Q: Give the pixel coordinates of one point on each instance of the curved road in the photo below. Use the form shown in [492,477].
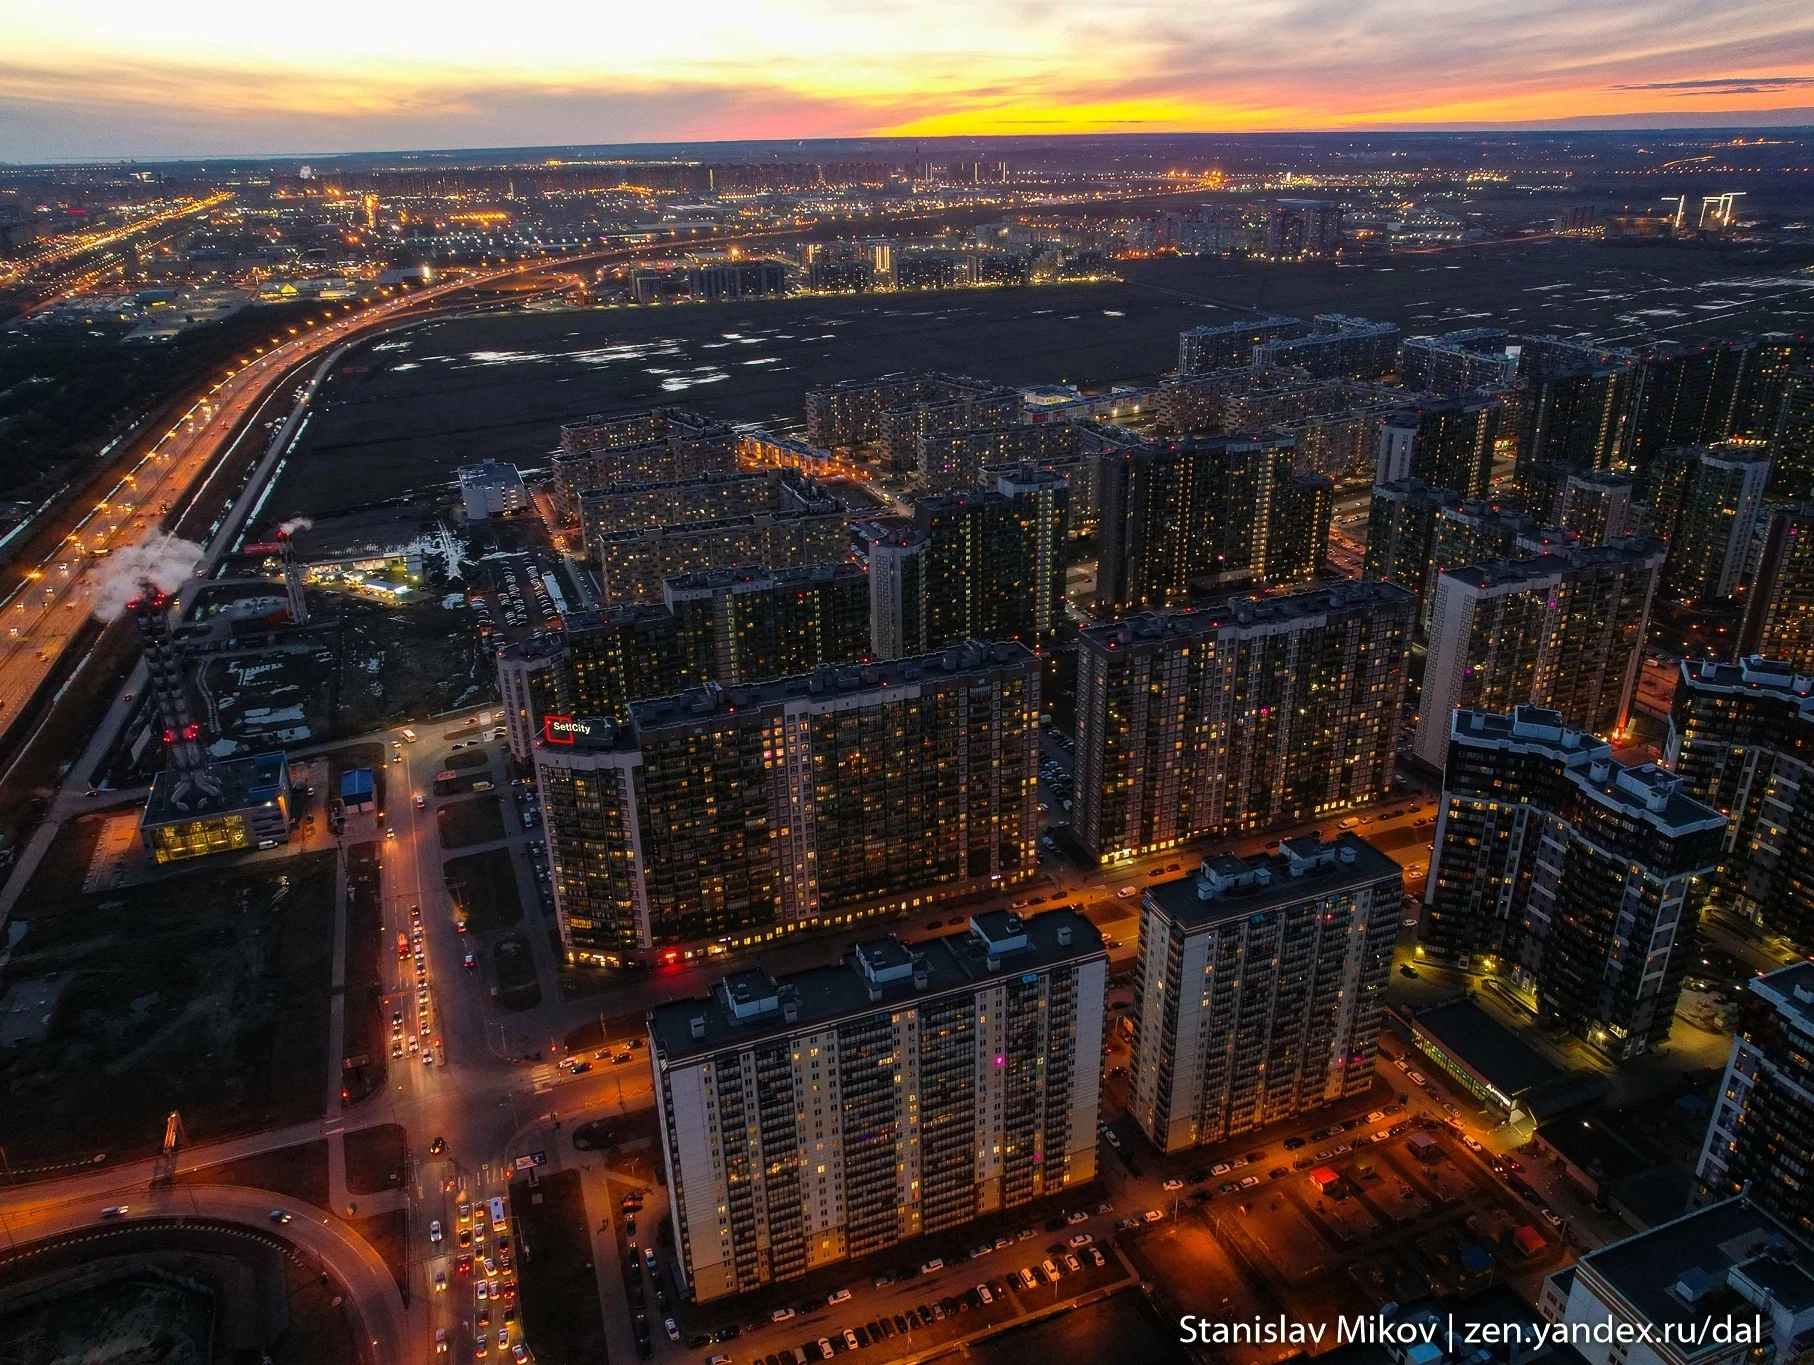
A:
[27,1215]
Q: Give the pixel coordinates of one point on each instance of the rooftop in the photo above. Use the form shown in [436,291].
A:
[757,578]
[1679,1272]
[1494,1053]
[709,524]
[1241,613]
[1791,990]
[1211,329]
[711,478]
[875,975]
[490,473]
[1501,573]
[1753,674]
[1528,729]
[1228,886]
[236,784]
[711,699]
[1592,1148]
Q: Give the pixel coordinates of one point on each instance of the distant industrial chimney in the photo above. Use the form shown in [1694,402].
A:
[292,579]
[181,735]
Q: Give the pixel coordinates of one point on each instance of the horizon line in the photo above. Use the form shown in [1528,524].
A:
[1632,124]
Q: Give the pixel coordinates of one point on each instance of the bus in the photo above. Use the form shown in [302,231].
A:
[497,1214]
[402,945]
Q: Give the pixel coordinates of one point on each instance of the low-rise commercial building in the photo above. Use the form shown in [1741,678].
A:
[492,489]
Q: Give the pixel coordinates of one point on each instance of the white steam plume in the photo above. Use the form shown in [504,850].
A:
[293,525]
[163,560]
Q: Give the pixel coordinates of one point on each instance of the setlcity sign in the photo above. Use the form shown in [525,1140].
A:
[565,729]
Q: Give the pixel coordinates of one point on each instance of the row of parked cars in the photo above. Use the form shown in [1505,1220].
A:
[838,1341]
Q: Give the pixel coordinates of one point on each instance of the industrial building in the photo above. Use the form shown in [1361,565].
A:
[198,806]
[221,808]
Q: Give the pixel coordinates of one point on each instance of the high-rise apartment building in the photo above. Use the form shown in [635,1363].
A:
[831,1113]
[714,279]
[1155,502]
[1259,988]
[1595,507]
[1792,436]
[1041,509]
[729,626]
[1239,717]
[596,665]
[1673,1293]
[944,402]
[950,461]
[1302,229]
[897,593]
[850,412]
[638,447]
[1682,396]
[1474,531]
[1337,345]
[745,625]
[1704,502]
[1184,518]
[992,567]
[1761,1138]
[529,674]
[747,812]
[1457,362]
[1196,404]
[1574,417]
[1224,345]
[898,409]
[1742,736]
[1578,877]
[1448,444]
[1297,536]
[1564,631]
[1541,354]
[1779,609]
[1401,531]
[634,563]
[620,508]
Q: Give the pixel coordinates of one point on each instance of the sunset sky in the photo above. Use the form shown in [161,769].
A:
[96,78]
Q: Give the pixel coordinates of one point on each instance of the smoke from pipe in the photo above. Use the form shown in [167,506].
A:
[164,560]
[293,525]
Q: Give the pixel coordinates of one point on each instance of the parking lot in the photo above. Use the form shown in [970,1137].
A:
[1006,1276]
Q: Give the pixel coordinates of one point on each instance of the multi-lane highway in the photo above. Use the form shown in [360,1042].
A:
[55,594]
